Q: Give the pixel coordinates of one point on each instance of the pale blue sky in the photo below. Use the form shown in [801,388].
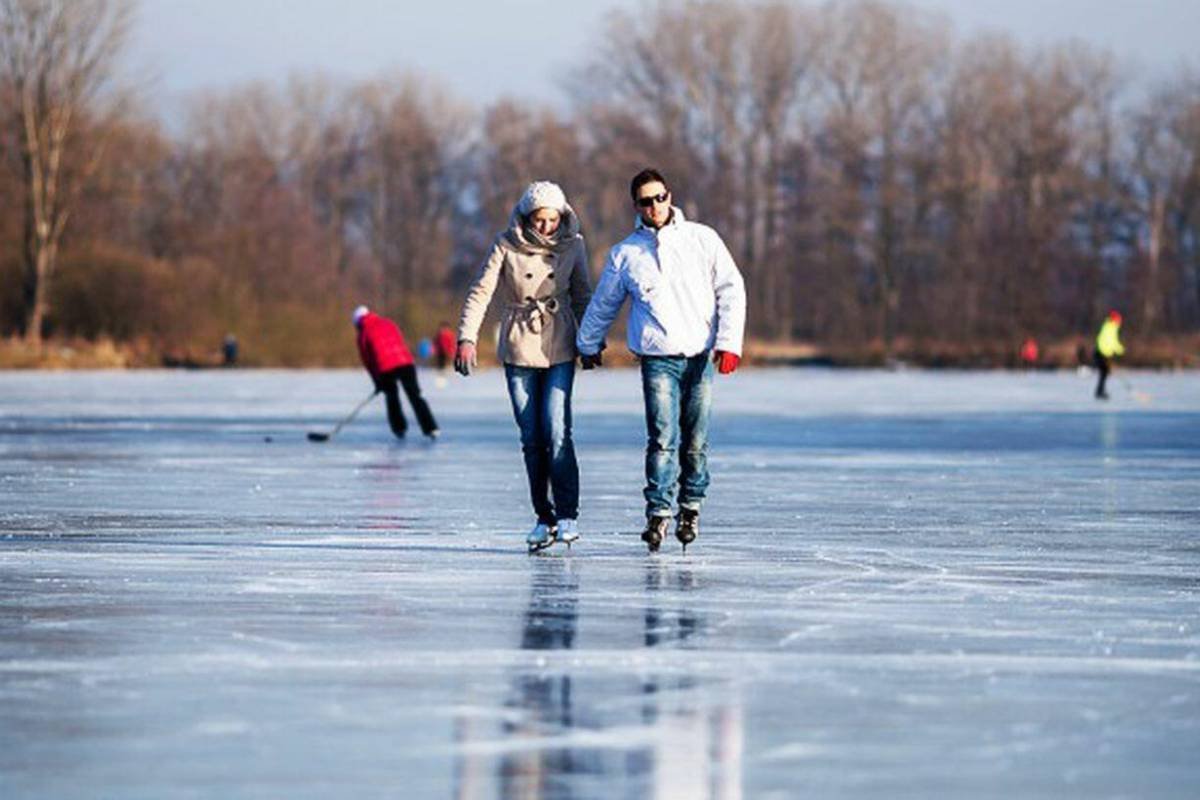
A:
[482,50]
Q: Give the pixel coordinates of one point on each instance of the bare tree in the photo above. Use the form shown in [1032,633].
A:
[881,68]
[1026,210]
[321,156]
[1185,212]
[1165,189]
[60,60]
[784,44]
[716,92]
[411,138]
[520,145]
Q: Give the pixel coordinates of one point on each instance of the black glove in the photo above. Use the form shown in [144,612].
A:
[464,357]
[589,361]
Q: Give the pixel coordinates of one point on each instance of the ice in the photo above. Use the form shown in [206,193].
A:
[907,584]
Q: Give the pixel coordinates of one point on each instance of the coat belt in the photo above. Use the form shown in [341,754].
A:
[537,310]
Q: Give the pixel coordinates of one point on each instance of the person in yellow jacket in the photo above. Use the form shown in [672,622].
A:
[1108,347]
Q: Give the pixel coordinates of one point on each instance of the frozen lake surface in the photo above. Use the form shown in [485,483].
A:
[907,585]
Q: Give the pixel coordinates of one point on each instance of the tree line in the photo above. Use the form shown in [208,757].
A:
[880,180]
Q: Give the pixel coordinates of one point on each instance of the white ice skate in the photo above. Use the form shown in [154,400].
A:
[568,531]
[541,537]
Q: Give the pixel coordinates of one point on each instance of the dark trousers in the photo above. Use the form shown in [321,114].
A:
[1102,367]
[541,403]
[406,377]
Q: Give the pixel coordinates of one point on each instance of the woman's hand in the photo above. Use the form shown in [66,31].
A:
[464,357]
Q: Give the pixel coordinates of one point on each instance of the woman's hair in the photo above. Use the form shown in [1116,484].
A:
[648,175]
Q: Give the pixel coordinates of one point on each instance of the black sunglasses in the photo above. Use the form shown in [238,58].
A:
[649,200]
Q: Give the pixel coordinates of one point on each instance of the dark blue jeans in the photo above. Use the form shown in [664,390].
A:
[678,395]
[541,402]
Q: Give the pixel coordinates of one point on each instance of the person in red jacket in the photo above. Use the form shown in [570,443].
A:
[384,354]
[445,344]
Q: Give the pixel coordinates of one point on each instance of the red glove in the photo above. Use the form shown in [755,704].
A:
[726,362]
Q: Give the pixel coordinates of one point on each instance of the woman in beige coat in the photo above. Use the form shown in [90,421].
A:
[538,268]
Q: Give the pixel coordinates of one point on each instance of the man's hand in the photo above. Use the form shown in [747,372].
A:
[589,361]
[464,357]
[726,362]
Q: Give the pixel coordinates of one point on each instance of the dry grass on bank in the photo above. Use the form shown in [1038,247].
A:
[1173,353]
[53,354]
[1159,353]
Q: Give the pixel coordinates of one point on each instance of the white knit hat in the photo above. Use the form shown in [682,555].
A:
[542,194]
[359,313]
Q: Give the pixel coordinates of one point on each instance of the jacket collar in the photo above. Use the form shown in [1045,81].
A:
[676,217]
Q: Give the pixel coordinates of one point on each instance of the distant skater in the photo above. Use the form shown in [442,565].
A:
[444,346]
[1108,347]
[688,313]
[1029,353]
[539,268]
[229,350]
[386,357]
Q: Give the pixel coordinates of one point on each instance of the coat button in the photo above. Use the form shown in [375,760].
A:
[528,274]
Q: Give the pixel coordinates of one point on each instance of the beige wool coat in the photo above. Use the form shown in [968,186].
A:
[542,293]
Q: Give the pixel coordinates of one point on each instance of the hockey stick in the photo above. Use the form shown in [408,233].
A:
[1141,397]
[317,436]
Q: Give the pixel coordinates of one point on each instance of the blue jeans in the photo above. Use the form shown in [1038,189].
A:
[541,402]
[678,395]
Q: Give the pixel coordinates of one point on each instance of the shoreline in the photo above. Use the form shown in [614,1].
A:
[1163,354]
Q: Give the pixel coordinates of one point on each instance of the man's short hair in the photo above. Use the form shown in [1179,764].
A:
[647,175]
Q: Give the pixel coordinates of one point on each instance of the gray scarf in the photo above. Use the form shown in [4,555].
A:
[523,236]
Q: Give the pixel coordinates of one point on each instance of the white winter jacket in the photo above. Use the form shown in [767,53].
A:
[688,295]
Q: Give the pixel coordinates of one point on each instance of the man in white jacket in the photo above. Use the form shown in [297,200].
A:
[688,313]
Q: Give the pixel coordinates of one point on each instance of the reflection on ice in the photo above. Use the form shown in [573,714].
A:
[654,730]
[541,700]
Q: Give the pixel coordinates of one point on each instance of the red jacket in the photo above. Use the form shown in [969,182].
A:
[446,342]
[381,345]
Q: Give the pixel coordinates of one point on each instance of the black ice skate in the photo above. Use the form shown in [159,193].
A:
[687,527]
[656,529]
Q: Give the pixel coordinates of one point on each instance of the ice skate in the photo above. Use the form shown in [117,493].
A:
[541,537]
[687,526]
[656,529]
[568,531]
